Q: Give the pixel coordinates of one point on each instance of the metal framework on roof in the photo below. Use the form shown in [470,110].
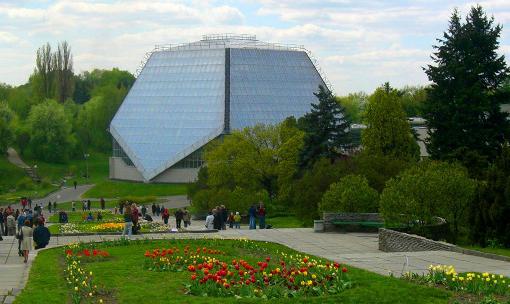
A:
[229,40]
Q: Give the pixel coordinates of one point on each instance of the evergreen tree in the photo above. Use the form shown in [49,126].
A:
[388,132]
[463,103]
[326,127]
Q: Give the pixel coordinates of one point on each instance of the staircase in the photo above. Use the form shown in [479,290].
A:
[32,174]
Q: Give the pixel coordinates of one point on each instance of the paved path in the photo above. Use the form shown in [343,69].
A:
[14,158]
[65,194]
[355,249]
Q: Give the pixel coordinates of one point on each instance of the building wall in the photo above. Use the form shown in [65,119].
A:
[119,170]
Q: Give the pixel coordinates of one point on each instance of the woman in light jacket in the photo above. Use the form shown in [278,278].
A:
[209,221]
[26,243]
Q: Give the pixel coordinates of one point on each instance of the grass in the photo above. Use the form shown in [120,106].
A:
[115,189]
[77,217]
[117,275]
[14,184]
[498,251]
[286,222]
[67,206]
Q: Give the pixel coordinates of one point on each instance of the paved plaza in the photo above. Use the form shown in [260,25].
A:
[355,249]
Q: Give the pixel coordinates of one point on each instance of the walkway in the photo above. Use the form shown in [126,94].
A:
[64,195]
[355,249]
[14,158]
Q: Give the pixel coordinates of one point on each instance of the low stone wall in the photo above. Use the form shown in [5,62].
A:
[330,217]
[394,241]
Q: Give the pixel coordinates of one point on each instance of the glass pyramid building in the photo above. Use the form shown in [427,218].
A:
[186,95]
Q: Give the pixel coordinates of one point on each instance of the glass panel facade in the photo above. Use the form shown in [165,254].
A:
[175,106]
[267,86]
[194,160]
[119,152]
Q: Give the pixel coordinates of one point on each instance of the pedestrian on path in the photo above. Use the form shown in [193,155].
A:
[55,206]
[102,203]
[41,235]
[49,207]
[252,213]
[73,206]
[128,222]
[261,212]
[25,236]
[165,216]
[75,184]
[237,220]
[1,221]
[11,225]
[209,221]
[179,215]
[187,218]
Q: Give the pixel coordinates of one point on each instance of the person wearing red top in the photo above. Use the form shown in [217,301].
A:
[261,212]
[165,216]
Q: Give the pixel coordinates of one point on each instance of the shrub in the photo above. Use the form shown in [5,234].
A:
[25,184]
[351,194]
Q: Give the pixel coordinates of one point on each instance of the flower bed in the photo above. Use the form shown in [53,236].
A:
[81,281]
[475,283]
[71,228]
[284,276]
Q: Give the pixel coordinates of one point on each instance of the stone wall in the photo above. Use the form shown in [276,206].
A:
[330,217]
[394,241]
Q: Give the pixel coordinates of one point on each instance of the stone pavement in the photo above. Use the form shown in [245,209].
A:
[354,249]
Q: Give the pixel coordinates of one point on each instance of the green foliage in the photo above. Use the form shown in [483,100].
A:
[6,127]
[112,189]
[326,129]
[463,102]
[95,116]
[426,190]
[388,132]
[88,83]
[50,132]
[351,194]
[489,214]
[413,100]
[354,105]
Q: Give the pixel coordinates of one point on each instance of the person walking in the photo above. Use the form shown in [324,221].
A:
[2,221]
[75,184]
[73,206]
[49,207]
[179,215]
[252,213]
[25,236]
[41,235]
[231,220]
[55,206]
[209,221]
[224,217]
[144,210]
[102,201]
[237,220]
[261,212]
[134,217]
[128,222]
[153,207]
[11,225]
[165,215]
[217,218]
[187,218]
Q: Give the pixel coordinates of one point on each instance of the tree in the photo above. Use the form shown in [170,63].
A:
[351,194]
[326,128]
[388,132]
[489,213]
[87,84]
[50,132]
[63,66]
[413,99]
[45,70]
[463,103]
[426,190]
[6,127]
[354,105]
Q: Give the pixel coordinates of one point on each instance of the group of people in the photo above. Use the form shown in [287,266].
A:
[26,225]
[257,212]
[219,217]
[181,216]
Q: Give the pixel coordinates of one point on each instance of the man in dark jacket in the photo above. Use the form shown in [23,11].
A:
[179,215]
[41,235]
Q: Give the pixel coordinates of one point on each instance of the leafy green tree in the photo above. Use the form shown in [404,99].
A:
[50,132]
[351,194]
[44,74]
[254,159]
[354,105]
[95,117]
[6,127]
[63,69]
[326,128]
[463,102]
[378,169]
[426,190]
[413,100]
[88,83]
[388,132]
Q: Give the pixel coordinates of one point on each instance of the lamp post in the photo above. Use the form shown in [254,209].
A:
[86,156]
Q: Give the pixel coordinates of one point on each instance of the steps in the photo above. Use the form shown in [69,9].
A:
[32,174]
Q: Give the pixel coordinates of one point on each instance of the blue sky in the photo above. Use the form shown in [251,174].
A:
[359,44]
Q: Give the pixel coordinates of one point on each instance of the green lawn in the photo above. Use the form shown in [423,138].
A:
[499,251]
[126,281]
[116,189]
[287,222]
[14,183]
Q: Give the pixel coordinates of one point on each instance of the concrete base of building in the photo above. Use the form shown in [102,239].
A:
[121,171]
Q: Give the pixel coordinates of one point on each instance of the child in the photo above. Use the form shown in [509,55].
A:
[237,220]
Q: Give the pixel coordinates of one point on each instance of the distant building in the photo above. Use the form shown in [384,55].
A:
[187,95]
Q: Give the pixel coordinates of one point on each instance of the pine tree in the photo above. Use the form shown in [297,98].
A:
[463,103]
[326,127]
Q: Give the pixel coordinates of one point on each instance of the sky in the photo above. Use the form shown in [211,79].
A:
[359,44]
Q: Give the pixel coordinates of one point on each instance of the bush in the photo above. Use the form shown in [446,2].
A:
[351,194]
[427,190]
